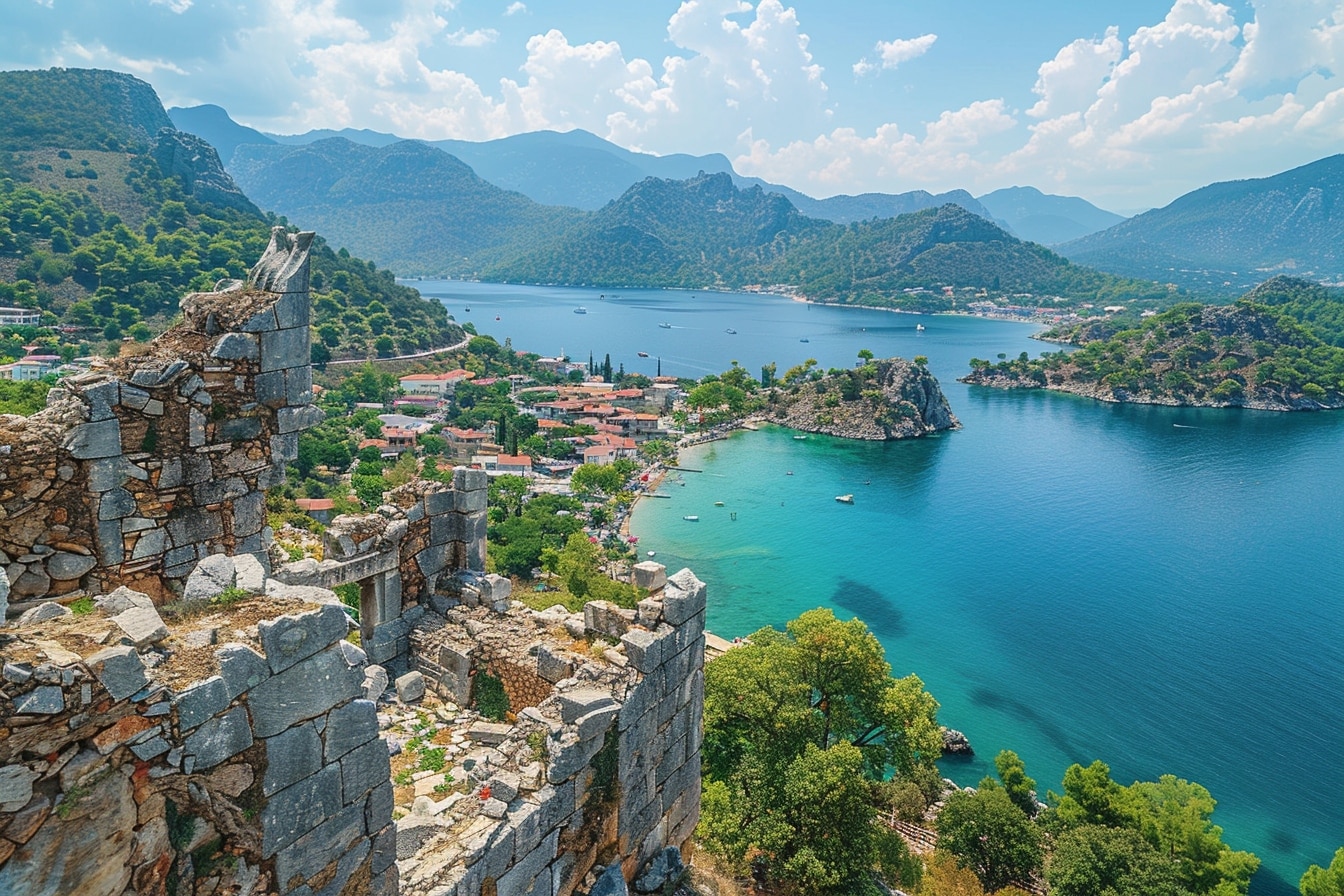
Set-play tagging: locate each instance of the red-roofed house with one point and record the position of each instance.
(318, 508)
(602, 455)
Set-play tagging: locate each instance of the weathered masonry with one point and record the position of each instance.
(237, 748)
(136, 471)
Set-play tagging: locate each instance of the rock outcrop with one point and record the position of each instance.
(879, 401)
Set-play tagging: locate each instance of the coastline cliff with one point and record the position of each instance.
(881, 400)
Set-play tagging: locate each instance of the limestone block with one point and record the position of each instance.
(217, 491)
(44, 612)
(236, 347)
(363, 769)
(606, 618)
(611, 883)
(281, 349)
(150, 544)
(489, 733)
(503, 785)
(300, 808)
(119, 669)
(520, 879)
(195, 428)
(269, 389)
(249, 569)
(4, 597)
(595, 724)
(42, 701)
(260, 322)
(414, 831)
(134, 398)
(299, 385)
(465, 479)
(102, 822)
(350, 726)
(201, 702)
(239, 429)
(579, 702)
(495, 589)
(552, 666)
(644, 649)
(16, 787)
(410, 687)
(293, 637)
(91, 440)
(314, 851)
(241, 667)
(439, 501)
(298, 418)
(108, 534)
(650, 575)
(684, 597)
(378, 807)
(217, 740)
(110, 472)
(142, 626)
(291, 756)
(212, 575)
(155, 746)
(375, 682)
(65, 566)
(384, 854)
(303, 691)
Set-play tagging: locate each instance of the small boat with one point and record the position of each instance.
(642, 354)
(652, 553)
(718, 503)
(468, 309)
(730, 331)
(496, 317)
(845, 499)
(804, 339)
(692, 518)
(789, 473)
(665, 326)
(799, 438)
(580, 310)
(919, 328)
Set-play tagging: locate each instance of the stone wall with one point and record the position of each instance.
(186, 767)
(604, 772)
(139, 468)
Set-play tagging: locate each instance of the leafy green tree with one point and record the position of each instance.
(590, 480)
(1320, 881)
(991, 836)
(507, 493)
(1094, 860)
(1020, 788)
(808, 701)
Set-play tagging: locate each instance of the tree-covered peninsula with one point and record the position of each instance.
(1280, 347)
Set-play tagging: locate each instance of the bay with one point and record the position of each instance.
(1158, 588)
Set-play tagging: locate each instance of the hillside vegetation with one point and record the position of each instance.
(1226, 236)
(705, 232)
(1280, 347)
(106, 242)
(411, 206)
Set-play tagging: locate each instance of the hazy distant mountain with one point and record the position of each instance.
(1231, 234)
(705, 232)
(579, 169)
(213, 124)
(1045, 218)
(408, 206)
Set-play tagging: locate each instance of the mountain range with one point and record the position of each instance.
(581, 170)
(1228, 236)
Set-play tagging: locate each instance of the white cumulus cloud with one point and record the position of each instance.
(891, 53)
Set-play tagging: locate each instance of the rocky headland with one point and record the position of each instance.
(1277, 349)
(878, 401)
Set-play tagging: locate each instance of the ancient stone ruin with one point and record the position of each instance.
(137, 470)
(212, 722)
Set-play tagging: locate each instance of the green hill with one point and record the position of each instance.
(705, 232)
(1045, 218)
(407, 205)
(1279, 347)
(106, 225)
(1228, 236)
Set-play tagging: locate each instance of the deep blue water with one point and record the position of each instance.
(1158, 588)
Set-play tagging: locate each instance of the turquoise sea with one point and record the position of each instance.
(1158, 588)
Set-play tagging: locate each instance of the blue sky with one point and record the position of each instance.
(1128, 104)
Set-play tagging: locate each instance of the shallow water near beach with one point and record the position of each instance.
(1158, 588)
